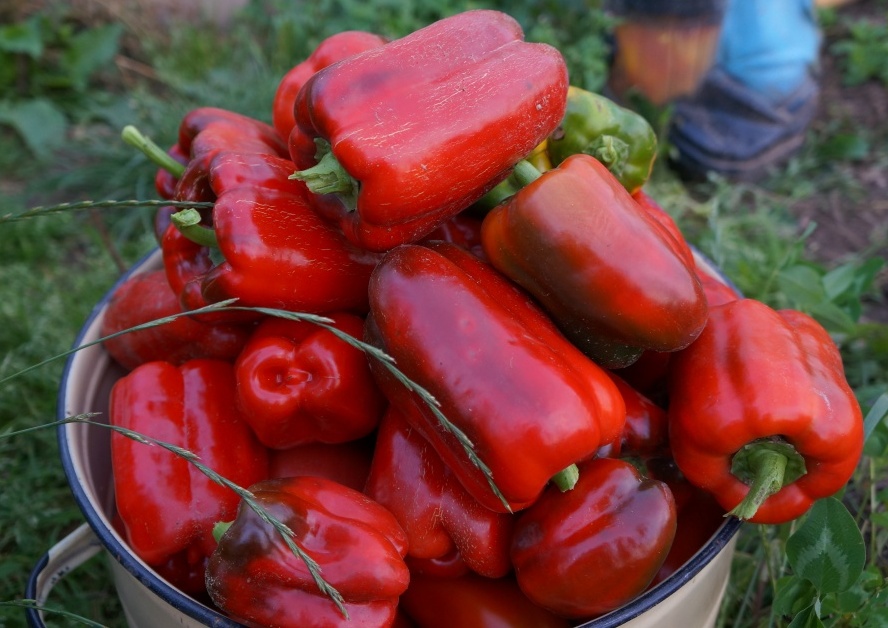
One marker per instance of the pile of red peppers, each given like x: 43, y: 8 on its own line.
x: 570, y: 401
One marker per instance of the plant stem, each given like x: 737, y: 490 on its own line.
x: 132, y: 136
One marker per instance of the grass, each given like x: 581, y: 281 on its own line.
x: 54, y: 268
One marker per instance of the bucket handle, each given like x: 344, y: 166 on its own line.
x: 66, y: 555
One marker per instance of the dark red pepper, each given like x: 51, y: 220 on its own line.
x: 146, y: 297
x: 298, y: 383
x: 358, y: 545
x: 414, y: 131
x: 531, y: 402
x: 439, y: 516
x: 346, y: 463
x: 167, y: 506
x: 607, y: 272
x: 593, y: 549
x: 473, y: 601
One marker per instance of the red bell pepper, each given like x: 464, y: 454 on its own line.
x: 346, y: 463
x: 277, y: 251
x: 167, y: 506
x: 760, y: 412
x: 439, y: 516
x: 146, y: 297
x: 473, y: 601
x: 415, y: 131
x: 602, y: 267
x: 667, y: 222
x: 646, y: 431
x: 595, y: 548
x: 334, y: 48
x: 531, y: 403
x: 358, y: 545
x: 298, y: 383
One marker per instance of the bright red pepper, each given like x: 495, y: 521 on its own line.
x: 439, y: 516
x: 346, y: 463
x: 416, y: 130
x: 667, y: 222
x: 760, y: 412
x: 256, y: 579
x: 602, y: 267
x: 277, y: 251
x: 473, y: 601
x: 531, y: 403
x: 334, y: 48
x: 298, y: 383
x: 146, y: 297
x: 168, y: 507
x: 647, y: 429
x: 593, y: 549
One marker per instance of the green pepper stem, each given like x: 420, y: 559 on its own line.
x: 220, y: 528
x: 567, y: 478
x: 132, y: 136
x: 188, y: 222
x: 524, y: 173
x: 611, y: 151
x: 329, y: 176
x: 767, y: 466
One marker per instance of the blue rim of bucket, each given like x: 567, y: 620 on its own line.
x: 197, y: 611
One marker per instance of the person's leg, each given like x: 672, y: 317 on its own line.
x: 754, y: 107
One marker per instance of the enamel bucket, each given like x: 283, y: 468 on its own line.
x: 689, y: 597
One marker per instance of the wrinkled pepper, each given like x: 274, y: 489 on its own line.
x: 761, y: 414
x: 409, y: 478
x: 601, y: 266
x: 413, y: 132
x: 277, y: 251
x: 472, y: 600
x: 167, y: 506
x: 618, y: 137
x: 298, y: 383
x: 590, y: 550
x: 358, y: 545
x: 530, y: 402
x: 334, y: 48
x: 146, y: 297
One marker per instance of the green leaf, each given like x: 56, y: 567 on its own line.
x: 89, y: 51
x: 792, y: 595
x: 23, y: 38
x: 807, y: 618
x: 802, y: 285
x: 844, y: 147
x: 828, y: 548
x: 39, y: 123
x: 831, y: 316
x: 876, y: 415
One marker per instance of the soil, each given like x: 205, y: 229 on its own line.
x: 852, y: 219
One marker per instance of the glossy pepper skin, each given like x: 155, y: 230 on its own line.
x: 346, y: 463
x: 761, y: 390
x: 592, y: 549
x: 531, y: 403
x: 332, y: 49
x: 168, y: 507
x: 599, y: 265
x: 297, y: 383
x: 425, y: 125
x: 439, y: 516
x: 646, y: 431
x: 255, y: 578
x: 277, y: 251
x: 146, y: 297
x: 473, y: 601
x: 619, y: 138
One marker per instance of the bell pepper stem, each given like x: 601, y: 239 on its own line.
x: 132, y: 136
x: 610, y: 151
x: 188, y: 221
x: 524, y: 173
x: 567, y: 478
x: 766, y: 466
x: 328, y: 176
x: 220, y: 528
